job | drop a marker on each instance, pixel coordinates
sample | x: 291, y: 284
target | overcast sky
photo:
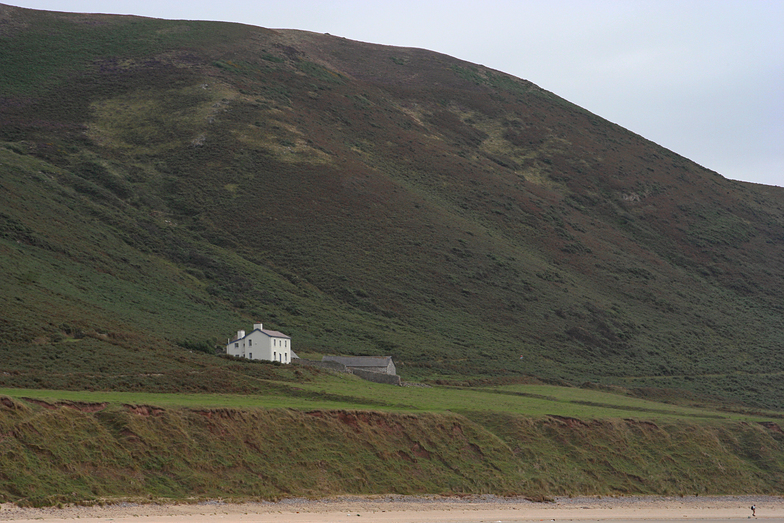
x: 704, y: 78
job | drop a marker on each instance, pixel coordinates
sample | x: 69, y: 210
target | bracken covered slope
x: 165, y: 183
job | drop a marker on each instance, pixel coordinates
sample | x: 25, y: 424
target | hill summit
x: 165, y: 183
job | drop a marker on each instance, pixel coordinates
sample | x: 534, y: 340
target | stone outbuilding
x: 380, y: 364
x: 261, y: 344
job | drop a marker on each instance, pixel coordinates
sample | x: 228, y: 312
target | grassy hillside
x: 166, y: 183
x: 516, y: 439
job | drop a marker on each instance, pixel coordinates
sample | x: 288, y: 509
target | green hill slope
x: 165, y: 183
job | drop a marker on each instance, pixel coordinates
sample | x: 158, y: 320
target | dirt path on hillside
x: 398, y: 509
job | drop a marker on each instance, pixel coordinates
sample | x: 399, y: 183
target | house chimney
x: 240, y: 334
x: 257, y: 326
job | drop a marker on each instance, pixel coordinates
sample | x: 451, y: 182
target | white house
x: 260, y: 344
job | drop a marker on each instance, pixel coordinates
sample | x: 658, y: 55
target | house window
x: 287, y: 358
x: 250, y: 342
x: 274, y: 356
x: 236, y: 345
x: 250, y: 355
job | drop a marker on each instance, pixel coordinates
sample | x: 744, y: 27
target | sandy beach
x: 403, y: 509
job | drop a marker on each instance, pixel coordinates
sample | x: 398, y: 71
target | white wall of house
x: 261, y: 344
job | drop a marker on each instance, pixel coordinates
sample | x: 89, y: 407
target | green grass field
x: 534, y: 401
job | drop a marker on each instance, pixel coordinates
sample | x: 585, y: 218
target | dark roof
x: 273, y: 334
x: 360, y: 361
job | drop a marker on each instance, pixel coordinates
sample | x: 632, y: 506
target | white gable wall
x: 236, y: 348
